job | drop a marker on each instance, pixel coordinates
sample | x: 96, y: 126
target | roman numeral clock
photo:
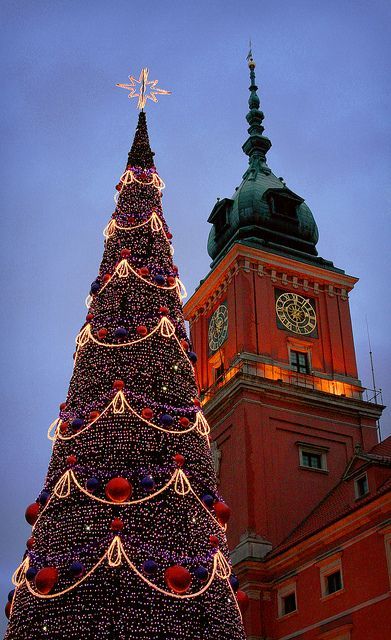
x: 296, y: 313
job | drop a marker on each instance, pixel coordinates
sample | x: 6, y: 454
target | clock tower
x: 276, y: 361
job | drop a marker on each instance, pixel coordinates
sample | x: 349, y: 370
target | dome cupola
x: 263, y: 212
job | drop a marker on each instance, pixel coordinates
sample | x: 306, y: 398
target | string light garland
x: 128, y: 532
x: 119, y: 404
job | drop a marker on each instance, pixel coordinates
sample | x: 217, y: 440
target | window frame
x: 357, y: 493
x: 282, y: 593
x: 297, y: 353
x: 327, y: 570
x: 313, y: 449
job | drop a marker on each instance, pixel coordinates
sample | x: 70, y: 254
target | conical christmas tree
x: 128, y: 534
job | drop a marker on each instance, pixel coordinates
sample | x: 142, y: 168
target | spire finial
x: 257, y: 145
x: 143, y: 94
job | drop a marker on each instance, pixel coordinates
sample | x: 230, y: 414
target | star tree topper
x: 146, y: 91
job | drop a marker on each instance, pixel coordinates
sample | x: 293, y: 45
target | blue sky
x: 323, y: 73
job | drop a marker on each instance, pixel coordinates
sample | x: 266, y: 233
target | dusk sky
x: 324, y: 81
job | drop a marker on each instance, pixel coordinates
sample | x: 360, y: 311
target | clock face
x: 296, y: 313
x: 218, y: 327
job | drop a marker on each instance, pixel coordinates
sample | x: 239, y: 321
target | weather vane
x: 146, y: 91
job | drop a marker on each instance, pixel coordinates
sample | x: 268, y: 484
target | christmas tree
x: 128, y: 534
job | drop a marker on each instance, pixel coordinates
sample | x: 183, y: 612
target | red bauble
x: 94, y: 415
x: 63, y: 406
x: 7, y: 610
x: 125, y: 253
x: 30, y: 543
x: 71, y: 460
x: 214, y: 541
x: 144, y: 271
x: 169, y: 235
x: 179, y: 459
x: 196, y: 402
x: 46, y: 579
x: 184, y: 422
x: 178, y: 579
x: 118, y: 186
x: 64, y: 426
x: 222, y: 512
x: 164, y: 310
x: 243, y: 600
x: 185, y: 345
x: 117, y: 524
x: 170, y: 281
x: 89, y: 317
x: 118, y: 385
x: 118, y: 489
x: 147, y: 413
x: 102, y: 333
x: 107, y: 277
x: 31, y: 513
x: 142, y: 330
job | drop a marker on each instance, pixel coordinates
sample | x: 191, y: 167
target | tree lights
x: 128, y: 534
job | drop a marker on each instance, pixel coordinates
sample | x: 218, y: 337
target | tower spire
x: 256, y: 145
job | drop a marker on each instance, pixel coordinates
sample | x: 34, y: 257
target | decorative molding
x: 251, y: 547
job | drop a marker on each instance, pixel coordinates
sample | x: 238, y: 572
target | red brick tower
x: 277, y: 369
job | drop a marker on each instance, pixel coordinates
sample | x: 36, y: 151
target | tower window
x: 333, y: 582
x: 288, y: 603
x: 283, y: 205
x: 299, y: 361
x: 220, y: 220
x: 312, y: 457
x: 313, y: 460
x: 361, y: 486
x: 287, y: 600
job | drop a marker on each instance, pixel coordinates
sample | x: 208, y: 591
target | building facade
x: 291, y: 423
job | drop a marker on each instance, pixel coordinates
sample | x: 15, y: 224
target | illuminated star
x: 146, y: 91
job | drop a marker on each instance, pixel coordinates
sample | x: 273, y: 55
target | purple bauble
x: 201, y: 573
x: 208, y: 500
x: 234, y: 582
x: 76, y: 569
x: 121, y: 332
x: 148, y: 483
x: 31, y: 573
x: 44, y: 497
x: 192, y: 356
x: 95, y: 286
x: 92, y: 484
x: 77, y: 423
x: 150, y: 567
x: 166, y: 420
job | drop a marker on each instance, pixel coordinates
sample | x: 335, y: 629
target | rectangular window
x: 331, y: 579
x: 333, y: 582
x: 288, y: 603
x: 312, y: 456
x: 361, y: 486
x: 312, y: 460
x: 299, y: 362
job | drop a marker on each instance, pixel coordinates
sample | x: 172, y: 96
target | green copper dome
x: 263, y: 212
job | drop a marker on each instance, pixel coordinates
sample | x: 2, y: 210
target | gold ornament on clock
x: 296, y: 313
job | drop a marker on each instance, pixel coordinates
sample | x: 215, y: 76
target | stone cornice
x: 282, y: 270
x: 224, y: 397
